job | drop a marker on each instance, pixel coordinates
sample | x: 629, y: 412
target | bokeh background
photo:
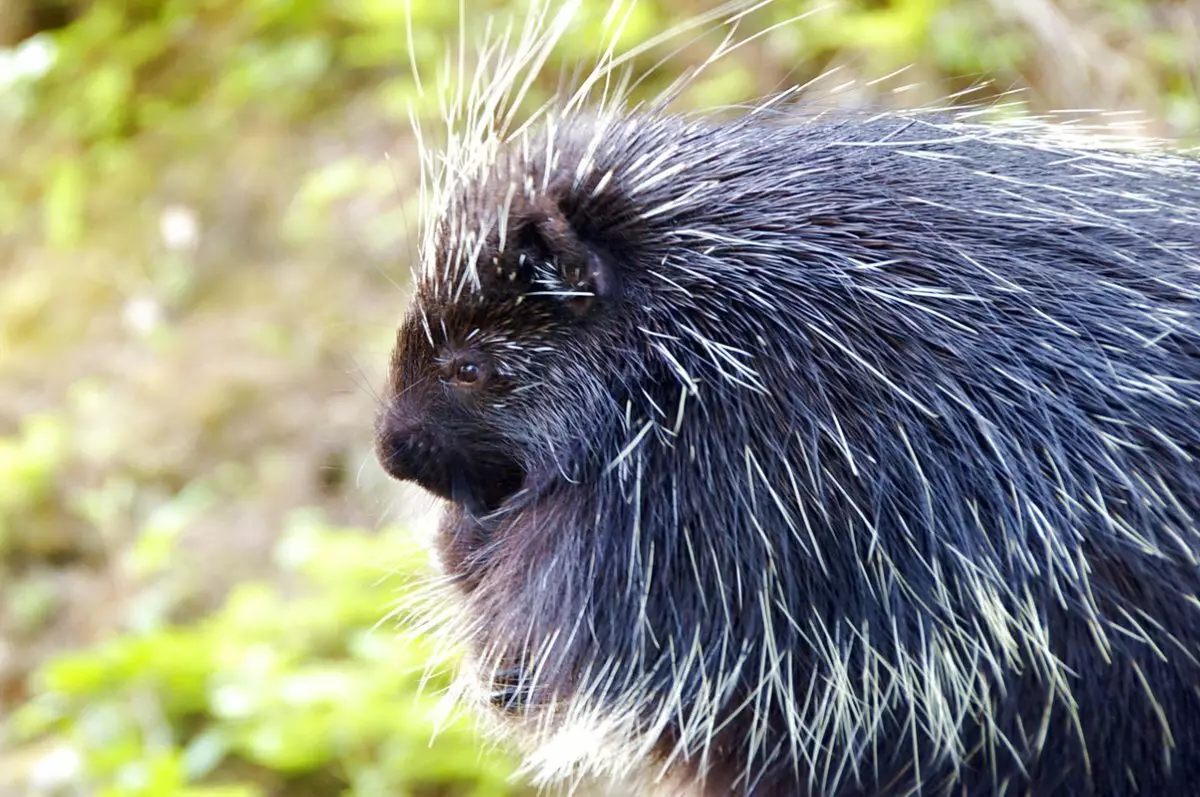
x: 207, y: 220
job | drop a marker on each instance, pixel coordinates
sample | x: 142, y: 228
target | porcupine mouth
x: 482, y: 491
x: 493, y: 483
x: 479, y: 478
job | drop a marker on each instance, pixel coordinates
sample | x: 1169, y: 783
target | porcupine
x: 837, y: 454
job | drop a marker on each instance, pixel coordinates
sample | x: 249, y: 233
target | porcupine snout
x: 408, y: 449
x: 418, y: 441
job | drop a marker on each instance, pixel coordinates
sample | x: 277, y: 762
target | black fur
x: 934, y: 373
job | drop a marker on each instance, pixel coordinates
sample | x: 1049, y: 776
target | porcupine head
x: 532, y: 379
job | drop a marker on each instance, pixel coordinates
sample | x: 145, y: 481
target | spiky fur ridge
x: 830, y: 454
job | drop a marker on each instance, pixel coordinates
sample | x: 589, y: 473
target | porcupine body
x: 832, y: 455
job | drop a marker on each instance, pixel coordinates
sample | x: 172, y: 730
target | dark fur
x: 1031, y: 343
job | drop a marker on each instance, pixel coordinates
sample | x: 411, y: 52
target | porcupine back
x: 871, y: 470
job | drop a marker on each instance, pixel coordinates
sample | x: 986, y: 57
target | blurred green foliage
x: 205, y: 218
x: 307, y: 688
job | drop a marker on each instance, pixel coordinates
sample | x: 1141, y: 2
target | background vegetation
x: 206, y: 216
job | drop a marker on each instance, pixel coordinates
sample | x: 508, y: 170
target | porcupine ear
x: 566, y: 266
x: 588, y: 280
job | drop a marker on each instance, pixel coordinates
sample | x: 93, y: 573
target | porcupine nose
x: 403, y: 446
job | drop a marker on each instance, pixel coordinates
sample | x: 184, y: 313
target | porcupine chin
x: 812, y: 455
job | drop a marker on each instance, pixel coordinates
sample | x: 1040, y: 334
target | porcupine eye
x: 465, y: 373
x: 592, y: 281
